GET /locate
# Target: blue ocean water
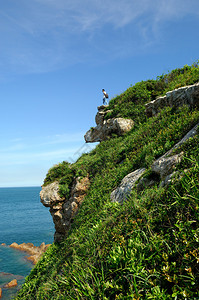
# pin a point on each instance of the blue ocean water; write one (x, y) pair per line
(23, 219)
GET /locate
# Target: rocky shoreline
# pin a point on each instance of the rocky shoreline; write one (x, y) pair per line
(11, 283)
(34, 252)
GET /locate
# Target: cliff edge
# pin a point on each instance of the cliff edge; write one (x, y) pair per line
(64, 210)
(107, 127)
(126, 214)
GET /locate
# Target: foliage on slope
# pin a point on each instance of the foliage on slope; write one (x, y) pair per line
(130, 103)
(148, 247)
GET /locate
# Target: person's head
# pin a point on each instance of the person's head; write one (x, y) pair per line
(103, 90)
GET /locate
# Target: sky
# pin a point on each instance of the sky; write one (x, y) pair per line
(57, 55)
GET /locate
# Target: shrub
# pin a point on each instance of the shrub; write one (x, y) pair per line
(148, 247)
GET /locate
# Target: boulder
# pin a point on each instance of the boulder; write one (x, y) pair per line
(34, 251)
(188, 95)
(49, 195)
(11, 284)
(99, 118)
(105, 128)
(117, 126)
(164, 166)
(122, 192)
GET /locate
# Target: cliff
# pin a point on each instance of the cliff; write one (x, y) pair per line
(64, 210)
(126, 214)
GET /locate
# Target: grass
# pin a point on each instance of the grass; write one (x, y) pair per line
(146, 248)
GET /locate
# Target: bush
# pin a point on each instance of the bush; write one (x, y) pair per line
(148, 247)
(57, 172)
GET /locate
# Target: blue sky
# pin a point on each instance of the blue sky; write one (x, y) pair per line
(57, 55)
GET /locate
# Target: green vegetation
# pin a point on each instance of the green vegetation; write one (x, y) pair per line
(130, 103)
(146, 248)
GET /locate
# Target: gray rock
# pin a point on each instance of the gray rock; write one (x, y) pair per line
(145, 183)
(189, 135)
(99, 118)
(122, 192)
(168, 180)
(165, 165)
(49, 195)
(105, 128)
(188, 95)
(102, 132)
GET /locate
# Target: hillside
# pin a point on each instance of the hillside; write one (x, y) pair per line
(144, 246)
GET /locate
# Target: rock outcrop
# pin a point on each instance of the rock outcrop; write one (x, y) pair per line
(50, 195)
(122, 192)
(105, 128)
(11, 284)
(63, 210)
(163, 167)
(188, 95)
(34, 251)
(189, 135)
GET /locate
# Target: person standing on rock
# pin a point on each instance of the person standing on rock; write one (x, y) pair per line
(105, 97)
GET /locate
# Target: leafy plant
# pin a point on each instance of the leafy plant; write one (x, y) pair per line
(146, 248)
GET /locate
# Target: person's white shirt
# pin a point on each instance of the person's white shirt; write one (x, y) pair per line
(104, 92)
(105, 102)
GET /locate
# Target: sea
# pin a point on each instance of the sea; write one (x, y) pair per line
(23, 219)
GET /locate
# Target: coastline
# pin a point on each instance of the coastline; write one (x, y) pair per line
(29, 248)
(12, 283)
(22, 220)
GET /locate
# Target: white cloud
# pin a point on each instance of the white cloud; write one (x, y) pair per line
(27, 152)
(92, 14)
(87, 15)
(25, 161)
(44, 35)
(63, 138)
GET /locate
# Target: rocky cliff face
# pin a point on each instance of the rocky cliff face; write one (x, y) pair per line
(105, 128)
(64, 210)
(164, 167)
